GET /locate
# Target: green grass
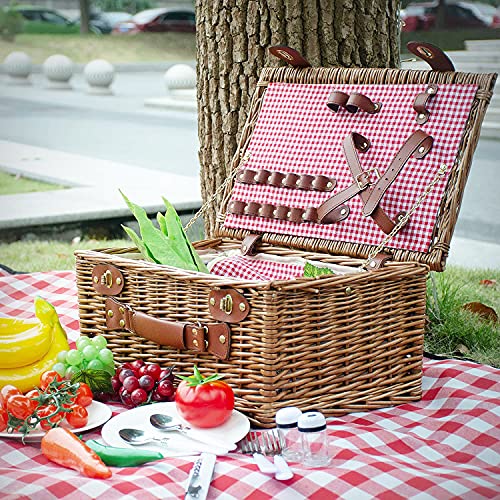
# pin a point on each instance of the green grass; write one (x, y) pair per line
(13, 184)
(452, 332)
(449, 40)
(142, 47)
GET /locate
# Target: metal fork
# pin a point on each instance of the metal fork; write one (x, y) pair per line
(269, 443)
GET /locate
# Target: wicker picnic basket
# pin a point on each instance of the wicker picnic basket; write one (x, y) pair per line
(335, 343)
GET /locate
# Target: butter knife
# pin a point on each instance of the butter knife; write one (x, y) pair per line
(200, 477)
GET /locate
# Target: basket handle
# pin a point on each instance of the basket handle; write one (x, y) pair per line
(214, 338)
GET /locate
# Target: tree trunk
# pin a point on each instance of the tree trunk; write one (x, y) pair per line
(232, 41)
(84, 16)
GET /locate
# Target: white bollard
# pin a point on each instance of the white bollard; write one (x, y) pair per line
(58, 69)
(180, 81)
(18, 67)
(99, 75)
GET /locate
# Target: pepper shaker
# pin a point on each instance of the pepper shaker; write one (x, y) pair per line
(314, 439)
(286, 422)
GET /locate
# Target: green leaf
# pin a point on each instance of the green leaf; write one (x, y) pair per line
(311, 271)
(139, 244)
(97, 380)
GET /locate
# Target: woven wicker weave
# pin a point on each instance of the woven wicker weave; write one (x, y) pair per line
(334, 344)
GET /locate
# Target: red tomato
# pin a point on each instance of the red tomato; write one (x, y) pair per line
(32, 394)
(47, 377)
(78, 416)
(207, 404)
(84, 395)
(46, 411)
(4, 418)
(6, 391)
(20, 406)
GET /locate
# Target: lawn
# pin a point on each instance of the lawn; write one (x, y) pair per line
(14, 184)
(452, 331)
(143, 47)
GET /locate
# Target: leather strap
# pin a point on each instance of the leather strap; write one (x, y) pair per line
(306, 182)
(214, 338)
(290, 56)
(432, 55)
(359, 101)
(418, 144)
(420, 104)
(249, 244)
(337, 100)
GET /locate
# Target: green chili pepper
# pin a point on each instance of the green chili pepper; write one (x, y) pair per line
(122, 457)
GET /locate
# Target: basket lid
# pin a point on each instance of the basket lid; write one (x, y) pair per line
(335, 160)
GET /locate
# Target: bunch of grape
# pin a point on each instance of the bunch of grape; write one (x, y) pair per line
(138, 383)
(90, 354)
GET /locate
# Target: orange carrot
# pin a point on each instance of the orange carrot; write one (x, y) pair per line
(64, 448)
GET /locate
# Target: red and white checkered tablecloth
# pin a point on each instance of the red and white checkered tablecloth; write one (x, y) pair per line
(445, 446)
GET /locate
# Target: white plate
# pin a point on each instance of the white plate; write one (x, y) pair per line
(229, 433)
(99, 413)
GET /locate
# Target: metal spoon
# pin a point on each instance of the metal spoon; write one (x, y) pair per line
(164, 423)
(138, 437)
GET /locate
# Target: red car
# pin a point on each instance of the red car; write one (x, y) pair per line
(159, 20)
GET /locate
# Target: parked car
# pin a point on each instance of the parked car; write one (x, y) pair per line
(159, 20)
(104, 22)
(43, 20)
(459, 15)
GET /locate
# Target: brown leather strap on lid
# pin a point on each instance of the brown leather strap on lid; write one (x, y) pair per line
(362, 181)
(420, 104)
(337, 100)
(249, 244)
(214, 338)
(290, 180)
(418, 144)
(290, 56)
(358, 101)
(432, 55)
(379, 261)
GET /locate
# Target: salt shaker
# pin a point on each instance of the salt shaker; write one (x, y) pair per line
(314, 439)
(286, 422)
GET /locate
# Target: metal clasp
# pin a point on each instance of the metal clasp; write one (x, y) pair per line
(226, 304)
(367, 182)
(107, 279)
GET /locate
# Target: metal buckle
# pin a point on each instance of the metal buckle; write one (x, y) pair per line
(368, 182)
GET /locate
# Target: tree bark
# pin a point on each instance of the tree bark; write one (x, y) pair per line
(84, 16)
(232, 41)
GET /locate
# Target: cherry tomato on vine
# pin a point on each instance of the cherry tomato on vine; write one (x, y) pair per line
(6, 392)
(4, 418)
(32, 394)
(84, 395)
(20, 406)
(204, 402)
(78, 416)
(45, 411)
(47, 377)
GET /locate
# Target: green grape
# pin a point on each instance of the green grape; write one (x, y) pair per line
(81, 342)
(70, 371)
(99, 341)
(74, 357)
(95, 364)
(110, 368)
(60, 368)
(106, 356)
(89, 352)
(61, 357)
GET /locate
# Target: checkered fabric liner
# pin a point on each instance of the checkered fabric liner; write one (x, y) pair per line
(295, 132)
(248, 268)
(446, 446)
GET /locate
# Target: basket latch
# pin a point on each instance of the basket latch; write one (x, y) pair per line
(107, 279)
(378, 261)
(228, 305)
(249, 244)
(432, 55)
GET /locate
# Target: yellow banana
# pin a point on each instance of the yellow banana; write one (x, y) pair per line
(28, 376)
(22, 342)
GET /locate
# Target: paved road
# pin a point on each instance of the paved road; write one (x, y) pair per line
(121, 129)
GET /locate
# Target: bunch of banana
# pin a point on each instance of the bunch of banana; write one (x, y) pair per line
(28, 348)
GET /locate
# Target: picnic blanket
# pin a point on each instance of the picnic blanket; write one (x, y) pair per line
(445, 446)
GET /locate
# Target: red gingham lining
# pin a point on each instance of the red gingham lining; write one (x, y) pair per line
(248, 268)
(296, 132)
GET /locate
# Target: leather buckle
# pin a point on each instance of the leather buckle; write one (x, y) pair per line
(367, 182)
